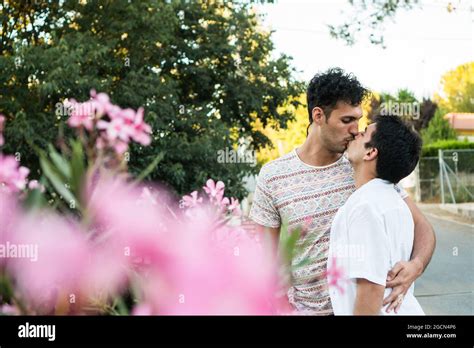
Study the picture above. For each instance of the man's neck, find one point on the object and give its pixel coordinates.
(362, 175)
(312, 152)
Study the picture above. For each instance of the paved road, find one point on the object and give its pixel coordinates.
(447, 286)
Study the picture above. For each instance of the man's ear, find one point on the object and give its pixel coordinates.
(371, 154)
(318, 115)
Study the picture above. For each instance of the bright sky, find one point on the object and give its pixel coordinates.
(422, 44)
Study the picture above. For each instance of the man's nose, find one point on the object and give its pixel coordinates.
(354, 131)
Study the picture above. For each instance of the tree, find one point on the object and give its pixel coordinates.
(438, 129)
(405, 105)
(370, 15)
(284, 139)
(200, 69)
(457, 89)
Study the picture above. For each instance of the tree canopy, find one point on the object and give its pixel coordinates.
(200, 69)
(457, 89)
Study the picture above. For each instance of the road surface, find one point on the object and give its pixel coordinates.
(447, 285)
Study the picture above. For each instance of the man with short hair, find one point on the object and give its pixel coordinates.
(374, 229)
(308, 185)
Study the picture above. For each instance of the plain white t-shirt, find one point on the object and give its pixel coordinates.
(370, 233)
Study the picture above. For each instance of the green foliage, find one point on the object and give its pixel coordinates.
(432, 149)
(457, 89)
(199, 69)
(64, 176)
(438, 129)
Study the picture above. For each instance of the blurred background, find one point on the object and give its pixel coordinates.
(223, 87)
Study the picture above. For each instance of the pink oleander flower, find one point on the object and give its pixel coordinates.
(35, 185)
(82, 114)
(142, 309)
(234, 206)
(62, 267)
(9, 216)
(148, 197)
(116, 129)
(103, 142)
(133, 225)
(2, 125)
(12, 176)
(215, 191)
(192, 200)
(7, 309)
(335, 275)
(140, 130)
(213, 271)
(101, 102)
(184, 264)
(54, 262)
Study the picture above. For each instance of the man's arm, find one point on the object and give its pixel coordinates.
(368, 298)
(425, 240)
(403, 274)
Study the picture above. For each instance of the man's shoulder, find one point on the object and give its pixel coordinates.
(377, 199)
(280, 166)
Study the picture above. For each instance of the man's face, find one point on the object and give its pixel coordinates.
(356, 149)
(341, 127)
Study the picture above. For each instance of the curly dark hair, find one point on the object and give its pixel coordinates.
(331, 86)
(398, 148)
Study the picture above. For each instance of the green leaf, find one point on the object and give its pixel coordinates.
(150, 167)
(77, 168)
(58, 184)
(35, 198)
(121, 306)
(287, 244)
(60, 162)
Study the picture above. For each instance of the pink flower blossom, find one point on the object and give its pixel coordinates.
(63, 268)
(101, 102)
(35, 185)
(212, 272)
(142, 309)
(117, 129)
(141, 131)
(12, 176)
(184, 265)
(55, 264)
(335, 275)
(135, 226)
(234, 206)
(9, 215)
(82, 114)
(192, 200)
(8, 309)
(215, 191)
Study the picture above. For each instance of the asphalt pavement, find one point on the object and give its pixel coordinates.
(447, 285)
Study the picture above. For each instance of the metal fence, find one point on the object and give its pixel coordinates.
(447, 178)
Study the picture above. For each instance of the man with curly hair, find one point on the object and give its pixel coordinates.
(307, 186)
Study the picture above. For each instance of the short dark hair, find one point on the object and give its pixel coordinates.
(398, 148)
(327, 88)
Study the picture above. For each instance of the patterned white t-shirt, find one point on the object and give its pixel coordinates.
(289, 189)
